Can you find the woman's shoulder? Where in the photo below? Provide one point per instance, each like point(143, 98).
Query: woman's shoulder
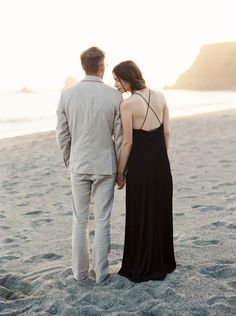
point(159, 96)
point(129, 101)
point(157, 92)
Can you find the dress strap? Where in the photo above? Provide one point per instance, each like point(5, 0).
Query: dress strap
point(149, 106)
point(149, 96)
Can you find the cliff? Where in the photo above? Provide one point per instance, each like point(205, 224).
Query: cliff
point(213, 69)
point(69, 82)
point(25, 90)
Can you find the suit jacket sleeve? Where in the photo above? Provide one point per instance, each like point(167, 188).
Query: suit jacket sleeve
point(117, 132)
point(62, 132)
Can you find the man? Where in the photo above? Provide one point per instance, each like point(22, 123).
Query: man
point(89, 136)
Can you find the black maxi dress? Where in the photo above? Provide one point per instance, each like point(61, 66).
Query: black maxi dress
point(148, 249)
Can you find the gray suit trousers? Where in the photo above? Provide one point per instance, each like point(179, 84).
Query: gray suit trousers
point(100, 190)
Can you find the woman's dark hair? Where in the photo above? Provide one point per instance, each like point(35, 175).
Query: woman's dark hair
point(129, 72)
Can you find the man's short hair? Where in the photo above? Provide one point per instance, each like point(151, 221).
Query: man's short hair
point(91, 58)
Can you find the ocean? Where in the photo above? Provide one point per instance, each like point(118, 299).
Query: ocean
point(27, 113)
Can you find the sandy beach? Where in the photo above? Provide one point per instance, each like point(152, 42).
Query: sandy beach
point(36, 217)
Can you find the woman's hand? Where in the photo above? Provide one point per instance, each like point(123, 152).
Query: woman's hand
point(120, 180)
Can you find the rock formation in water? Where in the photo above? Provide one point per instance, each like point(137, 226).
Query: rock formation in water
point(213, 69)
point(25, 90)
point(69, 81)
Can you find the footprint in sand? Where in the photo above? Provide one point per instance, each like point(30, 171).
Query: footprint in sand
point(193, 177)
point(28, 196)
point(226, 301)
point(224, 262)
point(42, 221)
point(66, 213)
point(232, 284)
point(9, 240)
point(187, 239)
point(2, 227)
point(197, 311)
point(206, 208)
point(227, 184)
point(8, 258)
point(34, 213)
point(231, 209)
point(22, 204)
point(184, 267)
point(45, 256)
point(1, 214)
point(23, 234)
point(196, 242)
point(201, 166)
point(6, 293)
point(232, 225)
point(13, 288)
point(203, 243)
point(214, 225)
point(225, 161)
point(215, 193)
point(187, 197)
point(184, 189)
point(179, 214)
point(219, 271)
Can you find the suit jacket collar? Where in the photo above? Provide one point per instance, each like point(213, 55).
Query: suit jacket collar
point(92, 78)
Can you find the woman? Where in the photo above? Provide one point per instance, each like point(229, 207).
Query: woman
point(144, 166)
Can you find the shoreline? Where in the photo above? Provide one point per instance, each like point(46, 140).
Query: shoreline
point(36, 220)
point(205, 114)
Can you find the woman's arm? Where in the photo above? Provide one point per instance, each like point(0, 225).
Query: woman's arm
point(166, 126)
point(127, 126)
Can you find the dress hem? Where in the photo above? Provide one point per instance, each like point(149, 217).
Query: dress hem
point(140, 280)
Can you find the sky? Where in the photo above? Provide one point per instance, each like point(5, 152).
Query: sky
point(41, 40)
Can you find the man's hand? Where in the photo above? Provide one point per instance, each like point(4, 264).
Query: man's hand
point(120, 180)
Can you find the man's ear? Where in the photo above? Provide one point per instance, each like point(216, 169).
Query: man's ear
point(101, 68)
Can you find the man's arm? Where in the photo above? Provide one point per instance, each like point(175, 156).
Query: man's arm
point(63, 133)
point(117, 132)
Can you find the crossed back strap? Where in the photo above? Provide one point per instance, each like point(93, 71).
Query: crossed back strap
point(148, 106)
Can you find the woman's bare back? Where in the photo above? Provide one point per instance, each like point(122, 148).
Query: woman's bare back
point(139, 108)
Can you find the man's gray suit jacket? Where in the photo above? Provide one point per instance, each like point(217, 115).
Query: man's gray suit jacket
point(89, 132)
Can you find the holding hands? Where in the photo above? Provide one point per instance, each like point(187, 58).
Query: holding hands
point(120, 180)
